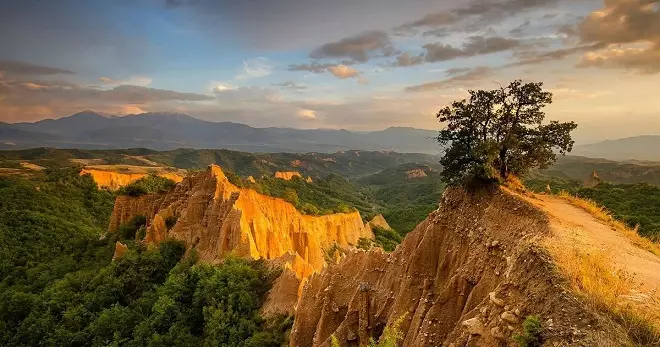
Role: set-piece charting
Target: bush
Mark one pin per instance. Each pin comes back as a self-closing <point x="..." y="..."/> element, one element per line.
<point x="531" y="335"/>
<point x="148" y="185"/>
<point x="128" y="230"/>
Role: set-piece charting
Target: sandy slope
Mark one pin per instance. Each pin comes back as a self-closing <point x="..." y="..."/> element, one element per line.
<point x="573" y="227"/>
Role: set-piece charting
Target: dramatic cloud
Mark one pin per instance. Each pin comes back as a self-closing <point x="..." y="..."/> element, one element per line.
<point x="79" y="35"/>
<point x="34" y="99"/>
<point x="475" y="45"/>
<point x="476" y="14"/>
<point x="343" y="71"/>
<point x="358" y="48"/>
<point x="463" y="79"/>
<point x="631" y="31"/>
<point x="23" y="68"/>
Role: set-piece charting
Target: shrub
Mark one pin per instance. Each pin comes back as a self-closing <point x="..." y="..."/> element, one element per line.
<point x="128" y="230"/>
<point x="531" y="334"/>
<point x="148" y="185"/>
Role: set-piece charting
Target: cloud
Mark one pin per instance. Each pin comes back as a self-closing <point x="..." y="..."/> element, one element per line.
<point x="297" y="24"/>
<point x="628" y="35"/>
<point x="81" y="35"/>
<point x="343" y="71"/>
<point x="255" y="68"/>
<point x="359" y="48"/>
<point x="24" y="68"/>
<point x="407" y="59"/>
<point x="24" y="99"/>
<point x="311" y="67"/>
<point x="475" y="15"/>
<point x="306" y="114"/>
<point x="247" y="94"/>
<point x="290" y="85"/>
<point x="464" y="79"/>
<point x="475" y="45"/>
<point x="133" y="81"/>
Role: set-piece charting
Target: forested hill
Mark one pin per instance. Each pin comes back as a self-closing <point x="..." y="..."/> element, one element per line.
<point x="60" y="286"/>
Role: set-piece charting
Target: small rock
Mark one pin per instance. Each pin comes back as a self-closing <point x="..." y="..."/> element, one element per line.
<point x="495" y="243"/>
<point x="509" y="317"/>
<point x="497" y="334"/>
<point x="495" y="300"/>
<point x="473" y="326"/>
<point x="517" y="312"/>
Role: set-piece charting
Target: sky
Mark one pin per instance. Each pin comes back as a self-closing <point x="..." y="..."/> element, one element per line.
<point x="339" y="64"/>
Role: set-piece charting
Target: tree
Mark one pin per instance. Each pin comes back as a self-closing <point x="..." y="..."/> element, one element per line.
<point x="500" y="132"/>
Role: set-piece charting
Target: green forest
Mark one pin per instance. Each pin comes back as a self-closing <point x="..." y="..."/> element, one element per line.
<point x="60" y="286"/>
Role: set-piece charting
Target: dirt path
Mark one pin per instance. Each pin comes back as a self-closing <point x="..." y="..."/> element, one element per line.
<point x="574" y="228"/>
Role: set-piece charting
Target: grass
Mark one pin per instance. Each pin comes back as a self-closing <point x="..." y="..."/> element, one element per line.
<point x="612" y="292"/>
<point x="603" y="215"/>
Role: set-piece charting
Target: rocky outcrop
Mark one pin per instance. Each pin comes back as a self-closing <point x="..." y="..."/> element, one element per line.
<point x="379" y="222"/>
<point x="114" y="180"/>
<point x="216" y="217"/>
<point x="287" y="175"/>
<point x="466" y="276"/>
<point x="120" y="249"/>
<point x="592" y="181"/>
<point x="416" y="173"/>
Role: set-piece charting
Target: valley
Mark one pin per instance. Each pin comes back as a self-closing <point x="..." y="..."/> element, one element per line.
<point x="299" y="223"/>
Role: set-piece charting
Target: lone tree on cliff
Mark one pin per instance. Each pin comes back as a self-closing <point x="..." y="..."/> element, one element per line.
<point x="500" y="132"/>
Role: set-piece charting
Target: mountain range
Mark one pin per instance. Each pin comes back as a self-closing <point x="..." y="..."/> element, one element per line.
<point x="167" y="131"/>
<point x="164" y="131"/>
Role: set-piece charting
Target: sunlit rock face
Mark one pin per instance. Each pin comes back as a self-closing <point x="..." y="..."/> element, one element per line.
<point x="215" y="217"/>
<point x="287" y="175"/>
<point x="114" y="180"/>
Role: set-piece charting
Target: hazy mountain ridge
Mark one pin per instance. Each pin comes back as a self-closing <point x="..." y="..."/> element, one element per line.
<point x="642" y="147"/>
<point x="163" y="131"/>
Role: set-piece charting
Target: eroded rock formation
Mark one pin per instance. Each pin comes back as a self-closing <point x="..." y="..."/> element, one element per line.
<point x="287" y="175"/>
<point x="466" y="276"/>
<point x="379" y="222"/>
<point x="114" y="180"/>
<point x="215" y="217"/>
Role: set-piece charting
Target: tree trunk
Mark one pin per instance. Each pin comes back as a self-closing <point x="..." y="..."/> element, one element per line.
<point x="504" y="170"/>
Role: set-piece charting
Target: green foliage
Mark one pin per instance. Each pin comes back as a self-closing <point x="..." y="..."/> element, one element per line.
<point x="634" y="204"/>
<point x="60" y="288"/>
<point x="364" y="243"/>
<point x="50" y="225"/>
<point x="500" y="132"/>
<point x="334" y="341"/>
<point x="531" y="334"/>
<point x="329" y="254"/>
<point x="148" y="185"/>
<point x="128" y="230"/>
<point x="391" y="335"/>
<point x="404" y="201"/>
<point x="333" y="194"/>
<point x="387" y="239"/>
<point x="170" y="221"/>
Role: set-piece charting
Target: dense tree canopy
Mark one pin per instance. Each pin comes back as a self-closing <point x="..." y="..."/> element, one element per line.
<point x="500" y="132"/>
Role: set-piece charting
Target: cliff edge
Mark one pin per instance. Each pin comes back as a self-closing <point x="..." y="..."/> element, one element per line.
<point x="470" y="274"/>
<point x="215" y="217"/>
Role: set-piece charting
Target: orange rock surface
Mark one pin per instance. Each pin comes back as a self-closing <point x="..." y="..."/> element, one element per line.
<point x="379" y="222"/>
<point x="287" y="175"/>
<point x="215" y="217"/>
<point x="114" y="180"/>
